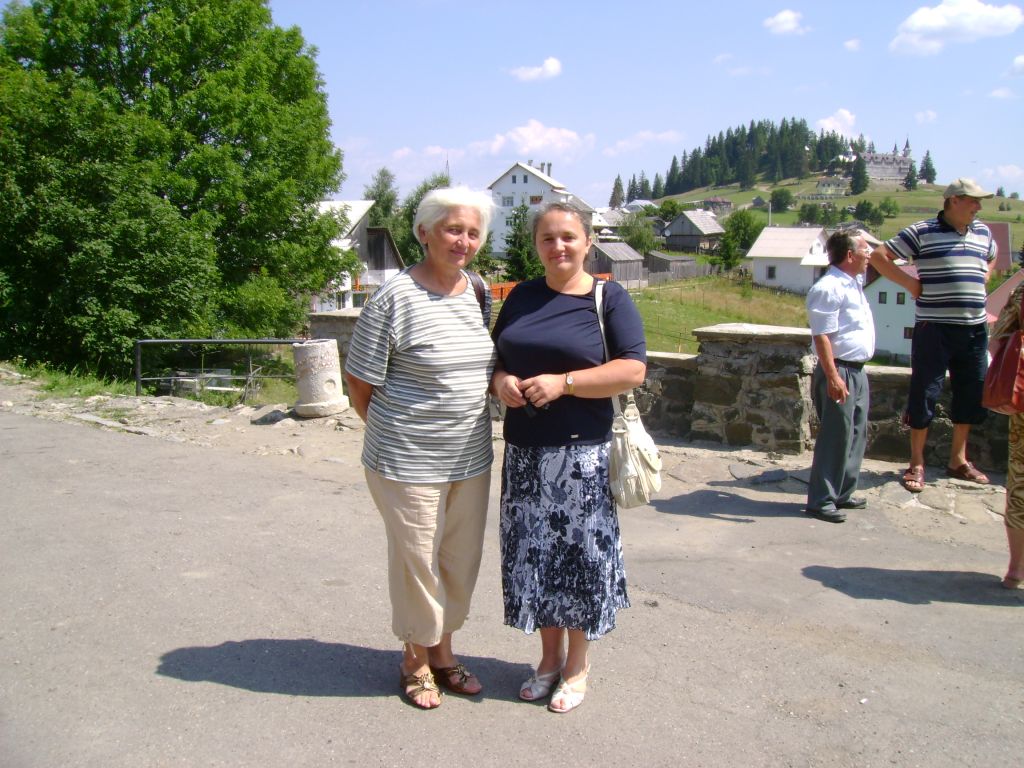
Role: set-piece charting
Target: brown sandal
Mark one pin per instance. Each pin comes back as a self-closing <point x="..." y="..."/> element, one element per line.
<point x="913" y="479"/>
<point x="423" y="683"/>
<point x="968" y="472"/>
<point x="455" y="679"/>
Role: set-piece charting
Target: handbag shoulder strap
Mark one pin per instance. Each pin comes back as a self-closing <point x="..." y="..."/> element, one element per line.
<point x="599" y="304"/>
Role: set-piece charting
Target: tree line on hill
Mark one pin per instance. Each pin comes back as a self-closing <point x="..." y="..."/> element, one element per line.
<point x="762" y="149"/>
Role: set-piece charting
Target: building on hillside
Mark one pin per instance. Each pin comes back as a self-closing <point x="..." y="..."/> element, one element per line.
<point x="720" y="206"/>
<point x="888" y="166"/>
<point x="759" y="202"/>
<point x="696" y="231"/>
<point x="529" y="185"/>
<point x="997" y="299"/>
<point x="619" y="260"/>
<point x="375" y="249"/>
<point x="778" y="257"/>
<point x="638" y="205"/>
<point x="832" y="186"/>
<point x="893" y="311"/>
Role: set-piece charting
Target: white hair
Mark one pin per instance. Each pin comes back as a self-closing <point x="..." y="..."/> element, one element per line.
<point x="438" y="202"/>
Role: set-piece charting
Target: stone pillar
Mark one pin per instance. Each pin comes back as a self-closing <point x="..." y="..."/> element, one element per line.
<point x="753" y="386"/>
<point x="318" y="378"/>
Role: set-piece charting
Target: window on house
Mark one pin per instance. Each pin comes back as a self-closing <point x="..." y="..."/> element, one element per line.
<point x="525" y="177"/>
<point x="883" y="297"/>
<point x="770" y="274"/>
<point x="536" y="199"/>
<point x="901" y="298"/>
<point x="507" y="201"/>
<point x="908" y="333"/>
<point x="508" y="221"/>
<point x="513" y="178"/>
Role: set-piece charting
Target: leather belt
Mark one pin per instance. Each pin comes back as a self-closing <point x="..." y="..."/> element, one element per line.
<point x="849" y="364"/>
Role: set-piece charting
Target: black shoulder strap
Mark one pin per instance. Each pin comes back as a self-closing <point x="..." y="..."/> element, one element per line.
<point x="483" y="297"/>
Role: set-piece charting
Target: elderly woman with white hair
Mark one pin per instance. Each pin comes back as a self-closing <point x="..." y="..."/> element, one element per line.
<point x="417" y="371"/>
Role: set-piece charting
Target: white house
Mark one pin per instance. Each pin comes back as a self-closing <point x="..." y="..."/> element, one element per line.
<point x="375" y="248"/>
<point x="788" y="258"/>
<point x="521" y="184"/>
<point x="893" y="311"/>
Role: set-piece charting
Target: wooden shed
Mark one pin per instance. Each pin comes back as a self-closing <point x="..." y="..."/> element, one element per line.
<point x="624" y="264"/>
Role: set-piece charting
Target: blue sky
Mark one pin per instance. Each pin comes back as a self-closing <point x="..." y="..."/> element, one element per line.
<point x="605" y="88"/>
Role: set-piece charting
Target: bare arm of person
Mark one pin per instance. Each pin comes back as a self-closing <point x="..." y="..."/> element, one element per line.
<point x="359" y="392"/>
<point x="611" y="378"/>
<point x="881" y="260"/>
<point x="837" y="389"/>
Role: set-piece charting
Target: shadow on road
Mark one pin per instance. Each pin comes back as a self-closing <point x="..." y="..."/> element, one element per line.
<point x="916" y="587"/>
<point x="718" y="505"/>
<point x="313" y="668"/>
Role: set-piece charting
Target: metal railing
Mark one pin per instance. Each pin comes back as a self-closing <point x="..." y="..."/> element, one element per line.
<point x="249" y="378"/>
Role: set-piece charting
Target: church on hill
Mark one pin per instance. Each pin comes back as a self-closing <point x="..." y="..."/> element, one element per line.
<point x="888" y="166"/>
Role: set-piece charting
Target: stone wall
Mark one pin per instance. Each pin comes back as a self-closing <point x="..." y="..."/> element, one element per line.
<point x="749" y="385"/>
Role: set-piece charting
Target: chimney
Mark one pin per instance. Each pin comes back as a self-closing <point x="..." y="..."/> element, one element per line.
<point x="548" y="171"/>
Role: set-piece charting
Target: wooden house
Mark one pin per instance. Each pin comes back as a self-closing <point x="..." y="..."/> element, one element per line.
<point x="696" y="231"/>
<point x="619" y="260"/>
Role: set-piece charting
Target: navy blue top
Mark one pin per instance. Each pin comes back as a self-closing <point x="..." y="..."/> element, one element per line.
<point x="543" y="331"/>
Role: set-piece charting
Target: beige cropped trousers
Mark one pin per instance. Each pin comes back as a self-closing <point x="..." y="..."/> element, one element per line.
<point x="435" y="537"/>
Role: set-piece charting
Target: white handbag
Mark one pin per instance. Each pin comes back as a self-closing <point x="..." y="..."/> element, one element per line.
<point x="635" y="467"/>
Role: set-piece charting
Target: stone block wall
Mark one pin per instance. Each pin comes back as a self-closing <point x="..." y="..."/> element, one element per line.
<point x="337" y="325"/>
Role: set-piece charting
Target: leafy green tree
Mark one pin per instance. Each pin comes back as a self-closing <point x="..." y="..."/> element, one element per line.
<point x="741" y="230"/>
<point x="859" y="176"/>
<point x="383" y="191"/>
<point x="636" y="231"/>
<point x="401" y="229"/>
<point x="484" y="261"/>
<point x="910" y="180"/>
<point x="1000" y="192"/>
<point x="781" y="200"/>
<point x="618" y="195"/>
<point x="809" y="213"/>
<point x="161" y="162"/>
<point x="864" y="210"/>
<point x="669" y="209"/>
<point x="889" y="207"/>
<point x="927" y="173"/>
<point x="521" y="263"/>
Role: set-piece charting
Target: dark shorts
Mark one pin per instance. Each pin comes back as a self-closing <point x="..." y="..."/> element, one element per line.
<point x="939" y="347"/>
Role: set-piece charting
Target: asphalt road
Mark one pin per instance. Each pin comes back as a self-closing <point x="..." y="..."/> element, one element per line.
<point x="166" y="604"/>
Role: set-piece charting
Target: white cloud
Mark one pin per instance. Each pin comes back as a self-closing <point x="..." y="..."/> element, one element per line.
<point x="1010" y="174"/>
<point x="401" y="153"/>
<point x="852" y="45"/>
<point x="551" y="67"/>
<point x="447" y="153"/>
<point x="1018" y="65"/>
<point x="1001" y="93"/>
<point x="785" y="23"/>
<point x="842" y="122"/>
<point x="639" y="139"/>
<point x="927" y="30"/>
<point x="721" y="58"/>
<point x="535" y="137"/>
<point x="926" y="116"/>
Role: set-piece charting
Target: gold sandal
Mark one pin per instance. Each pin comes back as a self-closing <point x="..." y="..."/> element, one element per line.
<point x="424" y="683"/>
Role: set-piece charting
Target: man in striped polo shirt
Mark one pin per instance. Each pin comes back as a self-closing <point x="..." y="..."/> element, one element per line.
<point x="953" y="255"/>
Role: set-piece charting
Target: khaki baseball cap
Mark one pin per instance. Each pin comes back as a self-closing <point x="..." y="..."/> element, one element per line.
<point x="966" y="188"/>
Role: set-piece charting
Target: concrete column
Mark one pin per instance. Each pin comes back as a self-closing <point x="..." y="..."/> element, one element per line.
<point x="318" y="378"/>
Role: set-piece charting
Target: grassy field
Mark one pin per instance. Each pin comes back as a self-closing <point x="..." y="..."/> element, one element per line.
<point x="671" y="311"/>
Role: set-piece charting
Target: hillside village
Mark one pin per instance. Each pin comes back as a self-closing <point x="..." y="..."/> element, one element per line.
<point x="787" y="255"/>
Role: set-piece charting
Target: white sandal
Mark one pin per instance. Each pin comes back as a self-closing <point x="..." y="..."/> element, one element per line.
<point x="538" y="686"/>
<point x="568" y="695"/>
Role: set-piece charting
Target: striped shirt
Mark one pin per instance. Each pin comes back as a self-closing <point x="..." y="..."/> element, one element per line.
<point x="952" y="269"/>
<point x="429" y="359"/>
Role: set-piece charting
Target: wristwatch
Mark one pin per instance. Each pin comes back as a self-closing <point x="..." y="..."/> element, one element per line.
<point x="569" y="384"/>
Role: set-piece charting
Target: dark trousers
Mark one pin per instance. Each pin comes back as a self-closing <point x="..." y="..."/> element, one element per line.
<point x="842" y="437"/>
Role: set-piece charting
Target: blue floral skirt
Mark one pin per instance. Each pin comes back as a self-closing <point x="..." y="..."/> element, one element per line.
<point x="561" y="554"/>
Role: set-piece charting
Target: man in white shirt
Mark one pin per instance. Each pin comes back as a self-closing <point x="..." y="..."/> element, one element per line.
<point x="844" y="339"/>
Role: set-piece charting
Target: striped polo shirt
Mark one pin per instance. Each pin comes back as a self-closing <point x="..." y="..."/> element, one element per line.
<point x="952" y="269"/>
<point x="430" y="359"/>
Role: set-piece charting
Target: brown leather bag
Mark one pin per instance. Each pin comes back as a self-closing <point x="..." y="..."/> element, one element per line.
<point x="1004" y="382"/>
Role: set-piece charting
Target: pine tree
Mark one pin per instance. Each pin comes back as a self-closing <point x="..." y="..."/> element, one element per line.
<point x="521" y="262"/>
<point x="672" y="178"/>
<point x="859" y="176"/>
<point x="658" y="190"/>
<point x="910" y="181"/>
<point x="927" y="173"/>
<point x="643" y="187"/>
<point x="618" y="196"/>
